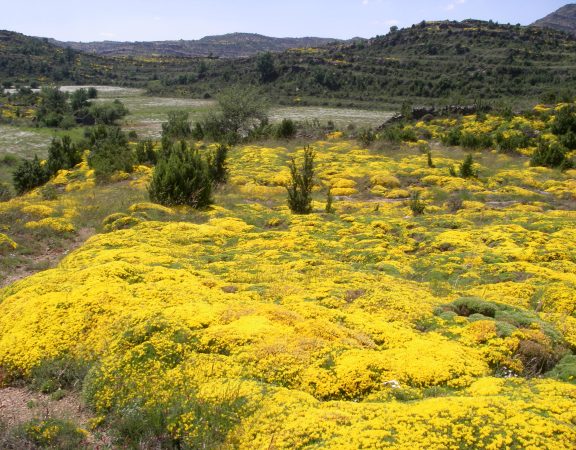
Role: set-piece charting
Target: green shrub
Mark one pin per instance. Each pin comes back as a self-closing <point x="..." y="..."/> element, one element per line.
<point x="366" y="136"/>
<point x="467" y="167"/>
<point x="5" y="192"/>
<point x="564" y="126"/>
<point x="466" y="306"/>
<point x="455" y="203"/>
<point x="453" y="137"/>
<point x="397" y="133"/>
<point x="62" y="372"/>
<point x="10" y="160"/>
<point x="62" y="154"/>
<point x="240" y="111"/>
<point x="177" y="128"/>
<point x="475" y="141"/>
<point x="416" y="205"/>
<point x="138" y="425"/>
<point x="109" y="152"/>
<point x="145" y="153"/>
<point x="49" y="192"/>
<point x="217" y="164"/>
<point x="181" y="177"/>
<point x="286" y="129"/>
<point x="511" y="143"/>
<point x="53" y="433"/>
<point x="551" y="155"/>
<point x="505" y="329"/>
<point x="429" y="159"/>
<point x="301" y="184"/>
<point x="329" y="209"/>
<point x="29" y="175"/>
<point x="108" y="113"/>
<point x="565" y="370"/>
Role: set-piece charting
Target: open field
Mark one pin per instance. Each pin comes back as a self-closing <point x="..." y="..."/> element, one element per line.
<point x="147" y="113"/>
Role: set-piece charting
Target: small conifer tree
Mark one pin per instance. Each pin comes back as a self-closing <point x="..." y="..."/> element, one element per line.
<point x="467" y="167"/>
<point x="217" y="164"/>
<point x="29" y="175"/>
<point x="430" y="162"/>
<point x="181" y="177"/>
<point x="329" y="202"/>
<point x="62" y="154"/>
<point x="301" y="184"/>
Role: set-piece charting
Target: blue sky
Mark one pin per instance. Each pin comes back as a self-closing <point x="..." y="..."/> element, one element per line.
<point x="146" y="20"/>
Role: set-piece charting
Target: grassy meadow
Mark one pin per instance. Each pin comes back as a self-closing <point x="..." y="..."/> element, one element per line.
<point x="423" y="310"/>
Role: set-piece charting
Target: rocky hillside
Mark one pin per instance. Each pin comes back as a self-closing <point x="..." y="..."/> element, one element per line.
<point x="234" y="45"/>
<point x="427" y="63"/>
<point x="562" y="20"/>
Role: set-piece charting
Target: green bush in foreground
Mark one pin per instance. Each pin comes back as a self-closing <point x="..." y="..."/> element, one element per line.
<point x="29" y="175"/>
<point x="301" y="184"/>
<point x="181" y="177"/>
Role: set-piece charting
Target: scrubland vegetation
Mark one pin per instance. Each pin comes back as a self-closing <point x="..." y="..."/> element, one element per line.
<point x="422" y="297"/>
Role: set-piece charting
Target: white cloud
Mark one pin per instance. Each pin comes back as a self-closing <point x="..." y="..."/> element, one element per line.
<point x="107" y="35"/>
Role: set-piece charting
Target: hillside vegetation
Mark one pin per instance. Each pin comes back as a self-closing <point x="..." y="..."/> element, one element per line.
<point x="376" y="324"/>
<point x="233" y="45"/>
<point x="430" y="63"/>
<point x="434" y="62"/>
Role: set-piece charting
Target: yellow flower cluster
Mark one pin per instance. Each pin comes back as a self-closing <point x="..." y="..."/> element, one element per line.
<point x="331" y="329"/>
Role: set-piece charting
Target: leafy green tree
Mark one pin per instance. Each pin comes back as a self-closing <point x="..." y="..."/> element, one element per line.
<point x="265" y="67"/>
<point x="79" y="99"/>
<point x="53" y="107"/>
<point x="239" y="112"/>
<point x="29" y="175"/>
<point x="108" y="113"/>
<point x="181" y="177"/>
<point x="92" y="92"/>
<point x="301" y="184"/>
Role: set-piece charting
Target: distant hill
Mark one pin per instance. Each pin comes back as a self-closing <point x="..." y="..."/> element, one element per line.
<point x="431" y="63"/>
<point x="24" y="58"/>
<point x="27" y="60"/>
<point x="562" y="20"/>
<point x="234" y="45"/>
<point x="426" y="63"/>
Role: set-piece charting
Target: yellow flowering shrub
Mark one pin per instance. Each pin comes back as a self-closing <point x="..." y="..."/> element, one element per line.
<point x="320" y="330"/>
<point x="51" y="224"/>
<point x="6" y="243"/>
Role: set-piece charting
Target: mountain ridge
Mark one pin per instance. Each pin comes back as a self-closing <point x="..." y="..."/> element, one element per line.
<point x="563" y="19"/>
<point x="231" y="45"/>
